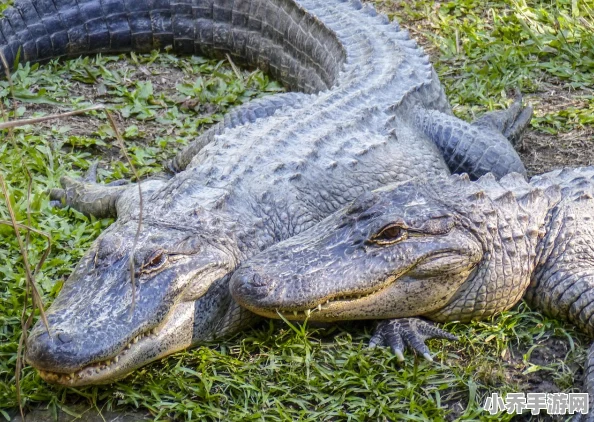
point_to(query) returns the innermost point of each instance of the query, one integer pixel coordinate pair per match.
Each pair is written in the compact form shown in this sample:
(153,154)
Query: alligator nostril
(257,281)
(65,338)
(247,283)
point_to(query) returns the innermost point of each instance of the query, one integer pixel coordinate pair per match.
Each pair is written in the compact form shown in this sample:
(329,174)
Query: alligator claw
(407,332)
(511,122)
(119,182)
(56,203)
(59,197)
(91,175)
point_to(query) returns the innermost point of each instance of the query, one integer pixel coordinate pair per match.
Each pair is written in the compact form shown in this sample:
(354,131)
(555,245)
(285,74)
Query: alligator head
(98,333)
(400,251)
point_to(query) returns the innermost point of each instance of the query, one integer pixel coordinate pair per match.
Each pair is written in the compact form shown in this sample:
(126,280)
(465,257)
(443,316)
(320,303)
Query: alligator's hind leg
(511,122)
(407,332)
(481,147)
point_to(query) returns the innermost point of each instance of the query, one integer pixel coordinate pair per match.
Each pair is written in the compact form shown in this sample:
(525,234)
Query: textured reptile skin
(456,250)
(369,111)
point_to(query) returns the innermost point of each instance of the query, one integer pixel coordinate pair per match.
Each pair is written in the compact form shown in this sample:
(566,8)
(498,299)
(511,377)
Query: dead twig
(31,286)
(9,79)
(37,303)
(34,120)
(140,203)
(235,68)
(30,229)
(29,275)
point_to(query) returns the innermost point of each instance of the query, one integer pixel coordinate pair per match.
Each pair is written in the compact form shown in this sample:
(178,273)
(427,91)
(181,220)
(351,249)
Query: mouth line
(339,299)
(97,368)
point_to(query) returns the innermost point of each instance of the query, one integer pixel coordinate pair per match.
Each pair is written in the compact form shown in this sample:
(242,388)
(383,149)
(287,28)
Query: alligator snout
(58,352)
(249,284)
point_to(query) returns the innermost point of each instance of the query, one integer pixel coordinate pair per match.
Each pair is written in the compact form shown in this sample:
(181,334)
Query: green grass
(275,371)
(484,48)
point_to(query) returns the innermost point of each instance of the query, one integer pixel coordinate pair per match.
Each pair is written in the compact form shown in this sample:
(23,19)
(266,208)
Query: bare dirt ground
(542,152)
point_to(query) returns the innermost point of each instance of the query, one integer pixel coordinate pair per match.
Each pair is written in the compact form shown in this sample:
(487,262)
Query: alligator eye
(155,261)
(390,235)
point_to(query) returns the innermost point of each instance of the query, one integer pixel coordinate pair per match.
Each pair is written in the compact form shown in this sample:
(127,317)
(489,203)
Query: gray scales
(368,111)
(448,250)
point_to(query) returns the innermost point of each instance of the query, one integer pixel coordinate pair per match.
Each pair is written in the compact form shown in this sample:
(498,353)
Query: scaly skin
(369,111)
(449,250)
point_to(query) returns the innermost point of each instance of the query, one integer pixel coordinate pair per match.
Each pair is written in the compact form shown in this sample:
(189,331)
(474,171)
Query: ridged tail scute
(563,282)
(278,36)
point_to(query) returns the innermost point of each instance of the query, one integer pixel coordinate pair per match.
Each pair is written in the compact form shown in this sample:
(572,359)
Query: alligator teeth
(96,367)
(319,307)
(295,313)
(307,312)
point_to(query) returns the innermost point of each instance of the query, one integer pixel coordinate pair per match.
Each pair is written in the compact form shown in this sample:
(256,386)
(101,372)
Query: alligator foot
(87,196)
(407,332)
(511,122)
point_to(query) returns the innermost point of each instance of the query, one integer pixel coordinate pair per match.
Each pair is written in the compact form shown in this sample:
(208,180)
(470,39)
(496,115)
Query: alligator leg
(481,147)
(87,196)
(570,295)
(511,122)
(407,332)
(563,282)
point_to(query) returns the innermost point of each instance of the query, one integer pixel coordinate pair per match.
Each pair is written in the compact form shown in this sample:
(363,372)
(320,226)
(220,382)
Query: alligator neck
(509,219)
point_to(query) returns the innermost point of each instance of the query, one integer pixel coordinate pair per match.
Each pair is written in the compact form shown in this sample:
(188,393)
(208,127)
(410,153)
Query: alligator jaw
(325,309)
(173,335)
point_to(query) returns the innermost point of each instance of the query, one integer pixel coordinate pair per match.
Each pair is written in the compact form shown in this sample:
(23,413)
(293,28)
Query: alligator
(449,250)
(365,109)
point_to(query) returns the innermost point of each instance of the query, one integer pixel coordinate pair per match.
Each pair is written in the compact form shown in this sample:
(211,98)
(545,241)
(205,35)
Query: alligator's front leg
(563,282)
(89,197)
(407,332)
(484,146)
